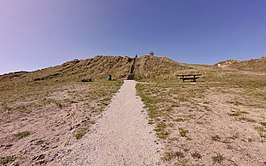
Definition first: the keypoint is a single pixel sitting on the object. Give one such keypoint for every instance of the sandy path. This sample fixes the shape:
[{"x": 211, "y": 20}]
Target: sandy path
[{"x": 121, "y": 137}]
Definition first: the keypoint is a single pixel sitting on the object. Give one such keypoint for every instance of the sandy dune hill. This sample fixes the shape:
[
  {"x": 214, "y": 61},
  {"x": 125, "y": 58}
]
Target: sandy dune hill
[
  {"x": 219, "y": 120},
  {"x": 256, "y": 65}
]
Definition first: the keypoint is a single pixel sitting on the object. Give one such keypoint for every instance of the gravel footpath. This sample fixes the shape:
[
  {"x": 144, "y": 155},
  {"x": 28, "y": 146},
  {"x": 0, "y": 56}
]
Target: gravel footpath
[{"x": 121, "y": 136}]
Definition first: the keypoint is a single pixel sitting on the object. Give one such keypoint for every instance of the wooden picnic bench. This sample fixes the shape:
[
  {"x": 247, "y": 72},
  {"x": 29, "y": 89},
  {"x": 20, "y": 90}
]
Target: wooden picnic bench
[{"x": 192, "y": 77}]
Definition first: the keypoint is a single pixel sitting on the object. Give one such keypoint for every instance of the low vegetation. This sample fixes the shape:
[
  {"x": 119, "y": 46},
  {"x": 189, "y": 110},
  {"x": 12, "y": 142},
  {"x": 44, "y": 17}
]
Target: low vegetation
[
  {"x": 22, "y": 134},
  {"x": 83, "y": 129},
  {"x": 219, "y": 111},
  {"x": 218, "y": 158},
  {"x": 213, "y": 120},
  {"x": 152, "y": 67},
  {"x": 48, "y": 114},
  {"x": 7, "y": 160},
  {"x": 183, "y": 132},
  {"x": 43, "y": 110},
  {"x": 257, "y": 65}
]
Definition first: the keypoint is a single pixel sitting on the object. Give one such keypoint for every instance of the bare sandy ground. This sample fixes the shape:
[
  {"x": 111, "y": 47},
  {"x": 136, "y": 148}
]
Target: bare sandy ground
[
  {"x": 121, "y": 137},
  {"x": 38, "y": 122},
  {"x": 205, "y": 123}
]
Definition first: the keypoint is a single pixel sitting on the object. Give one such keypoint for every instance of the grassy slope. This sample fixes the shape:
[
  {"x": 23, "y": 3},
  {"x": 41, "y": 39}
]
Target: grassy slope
[
  {"x": 98, "y": 67},
  {"x": 157, "y": 67},
  {"x": 59, "y": 89},
  {"x": 224, "y": 110},
  {"x": 51, "y": 114},
  {"x": 258, "y": 65},
  {"x": 37, "y": 108}
]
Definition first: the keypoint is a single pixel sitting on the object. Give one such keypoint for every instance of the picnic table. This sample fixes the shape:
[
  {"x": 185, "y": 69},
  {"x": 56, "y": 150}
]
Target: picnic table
[{"x": 191, "y": 77}]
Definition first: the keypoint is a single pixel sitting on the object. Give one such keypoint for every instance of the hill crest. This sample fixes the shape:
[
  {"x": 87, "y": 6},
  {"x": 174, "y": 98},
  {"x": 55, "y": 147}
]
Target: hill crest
[{"x": 258, "y": 64}]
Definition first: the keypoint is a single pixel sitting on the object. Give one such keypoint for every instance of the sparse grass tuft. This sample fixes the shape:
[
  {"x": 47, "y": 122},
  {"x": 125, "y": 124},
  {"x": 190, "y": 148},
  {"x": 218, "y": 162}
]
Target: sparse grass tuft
[
  {"x": 243, "y": 118},
  {"x": 229, "y": 139},
  {"x": 22, "y": 134},
  {"x": 179, "y": 119},
  {"x": 178, "y": 155},
  {"x": 40, "y": 142},
  {"x": 80, "y": 133},
  {"x": 237, "y": 113},
  {"x": 161, "y": 130},
  {"x": 261, "y": 131},
  {"x": 183, "y": 132},
  {"x": 167, "y": 156},
  {"x": 58, "y": 103},
  {"x": 229, "y": 147},
  {"x": 196, "y": 155},
  {"x": 7, "y": 159},
  {"x": 171, "y": 155},
  {"x": 83, "y": 129},
  {"x": 216, "y": 138},
  {"x": 218, "y": 158},
  {"x": 263, "y": 124}
]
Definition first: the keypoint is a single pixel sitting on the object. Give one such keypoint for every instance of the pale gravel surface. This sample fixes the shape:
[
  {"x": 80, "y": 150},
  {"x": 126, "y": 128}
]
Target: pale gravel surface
[{"x": 121, "y": 136}]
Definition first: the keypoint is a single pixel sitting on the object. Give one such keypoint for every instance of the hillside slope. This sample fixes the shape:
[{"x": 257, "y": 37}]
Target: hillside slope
[
  {"x": 251, "y": 65},
  {"x": 258, "y": 65},
  {"x": 42, "y": 112},
  {"x": 98, "y": 67},
  {"x": 158, "y": 67},
  {"x": 147, "y": 66}
]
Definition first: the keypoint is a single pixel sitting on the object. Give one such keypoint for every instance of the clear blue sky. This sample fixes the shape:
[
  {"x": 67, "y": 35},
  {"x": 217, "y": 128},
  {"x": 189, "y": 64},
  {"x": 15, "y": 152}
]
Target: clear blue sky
[{"x": 40, "y": 33}]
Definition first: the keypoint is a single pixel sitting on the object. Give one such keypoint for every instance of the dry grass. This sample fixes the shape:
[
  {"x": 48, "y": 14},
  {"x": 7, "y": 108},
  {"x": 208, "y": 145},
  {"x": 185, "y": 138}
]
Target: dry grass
[
  {"x": 251, "y": 65},
  {"x": 218, "y": 158},
  {"x": 7, "y": 160},
  {"x": 22, "y": 134},
  {"x": 83, "y": 129},
  {"x": 222, "y": 107},
  {"x": 157, "y": 67},
  {"x": 188, "y": 116},
  {"x": 41, "y": 115}
]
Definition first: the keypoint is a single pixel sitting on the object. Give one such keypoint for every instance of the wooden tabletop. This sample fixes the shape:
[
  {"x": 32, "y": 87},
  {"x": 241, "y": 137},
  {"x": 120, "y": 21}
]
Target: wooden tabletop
[{"x": 188, "y": 75}]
